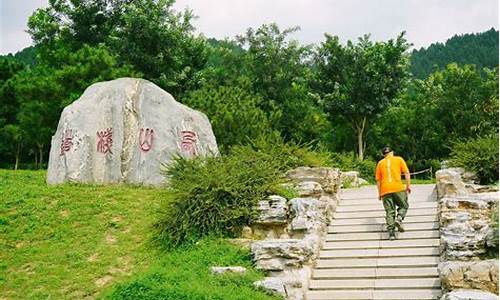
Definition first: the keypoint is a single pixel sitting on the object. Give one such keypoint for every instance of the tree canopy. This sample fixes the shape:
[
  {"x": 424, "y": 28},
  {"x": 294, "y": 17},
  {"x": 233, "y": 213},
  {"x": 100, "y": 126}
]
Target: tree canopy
[{"x": 341, "y": 97}]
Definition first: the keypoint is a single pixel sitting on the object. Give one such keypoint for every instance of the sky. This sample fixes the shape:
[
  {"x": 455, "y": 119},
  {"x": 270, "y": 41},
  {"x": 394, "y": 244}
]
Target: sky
[{"x": 425, "y": 21}]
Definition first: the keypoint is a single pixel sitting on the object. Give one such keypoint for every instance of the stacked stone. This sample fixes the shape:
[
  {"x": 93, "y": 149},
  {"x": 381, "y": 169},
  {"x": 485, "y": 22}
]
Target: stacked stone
[
  {"x": 292, "y": 230},
  {"x": 466, "y": 234}
]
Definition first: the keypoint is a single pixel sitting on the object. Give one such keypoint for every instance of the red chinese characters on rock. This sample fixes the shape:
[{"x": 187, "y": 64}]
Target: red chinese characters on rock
[
  {"x": 105, "y": 140},
  {"x": 188, "y": 143},
  {"x": 146, "y": 136},
  {"x": 66, "y": 141}
]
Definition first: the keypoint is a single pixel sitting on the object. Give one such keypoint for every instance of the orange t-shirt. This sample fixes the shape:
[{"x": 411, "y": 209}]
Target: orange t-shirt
[{"x": 388, "y": 172}]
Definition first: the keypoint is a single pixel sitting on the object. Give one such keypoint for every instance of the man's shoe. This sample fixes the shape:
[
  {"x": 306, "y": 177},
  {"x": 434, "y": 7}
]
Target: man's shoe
[
  {"x": 399, "y": 224},
  {"x": 392, "y": 235}
]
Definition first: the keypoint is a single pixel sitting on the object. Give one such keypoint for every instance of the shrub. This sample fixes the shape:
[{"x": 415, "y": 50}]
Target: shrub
[
  {"x": 217, "y": 195},
  {"x": 349, "y": 162},
  {"x": 479, "y": 156}
]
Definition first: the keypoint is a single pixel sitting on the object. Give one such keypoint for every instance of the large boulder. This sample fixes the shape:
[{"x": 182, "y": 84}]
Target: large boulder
[{"x": 125, "y": 130}]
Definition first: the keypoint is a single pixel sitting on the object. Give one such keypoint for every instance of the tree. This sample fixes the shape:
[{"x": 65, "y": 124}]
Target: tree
[
  {"x": 43, "y": 91},
  {"x": 449, "y": 106},
  {"x": 276, "y": 68},
  {"x": 146, "y": 34},
  {"x": 359, "y": 81},
  {"x": 233, "y": 112},
  {"x": 479, "y": 49}
]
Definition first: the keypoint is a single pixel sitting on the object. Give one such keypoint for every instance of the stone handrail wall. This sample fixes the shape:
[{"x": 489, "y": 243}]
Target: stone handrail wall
[
  {"x": 466, "y": 234},
  {"x": 292, "y": 230}
]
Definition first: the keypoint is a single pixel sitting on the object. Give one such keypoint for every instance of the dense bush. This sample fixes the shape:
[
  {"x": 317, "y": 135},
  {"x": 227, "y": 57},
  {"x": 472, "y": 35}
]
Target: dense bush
[
  {"x": 216, "y": 195},
  {"x": 478, "y": 155}
]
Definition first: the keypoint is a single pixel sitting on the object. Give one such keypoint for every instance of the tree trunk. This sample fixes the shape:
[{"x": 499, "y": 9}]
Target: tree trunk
[
  {"x": 36, "y": 160},
  {"x": 360, "y": 132},
  {"x": 18, "y": 150},
  {"x": 40, "y": 152}
]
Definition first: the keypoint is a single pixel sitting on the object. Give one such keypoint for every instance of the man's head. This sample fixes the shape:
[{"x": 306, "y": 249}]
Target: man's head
[{"x": 386, "y": 150}]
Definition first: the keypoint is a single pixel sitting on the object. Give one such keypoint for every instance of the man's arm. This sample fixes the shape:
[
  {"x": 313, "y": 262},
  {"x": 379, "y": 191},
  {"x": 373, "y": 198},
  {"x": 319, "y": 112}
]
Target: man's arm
[
  {"x": 408, "y": 179},
  {"x": 378, "y": 189}
]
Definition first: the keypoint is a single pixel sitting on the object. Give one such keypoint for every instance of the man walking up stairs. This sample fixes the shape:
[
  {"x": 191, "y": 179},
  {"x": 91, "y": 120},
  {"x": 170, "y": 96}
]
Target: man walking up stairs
[{"x": 358, "y": 261}]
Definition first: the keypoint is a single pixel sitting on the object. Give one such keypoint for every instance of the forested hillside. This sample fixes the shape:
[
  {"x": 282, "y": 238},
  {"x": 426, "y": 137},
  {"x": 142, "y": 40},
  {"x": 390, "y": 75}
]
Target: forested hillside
[
  {"x": 342, "y": 98},
  {"x": 480, "y": 49}
]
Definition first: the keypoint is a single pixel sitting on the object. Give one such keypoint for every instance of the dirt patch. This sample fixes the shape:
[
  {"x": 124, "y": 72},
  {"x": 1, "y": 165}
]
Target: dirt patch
[
  {"x": 100, "y": 282},
  {"x": 93, "y": 257},
  {"x": 110, "y": 239},
  {"x": 64, "y": 213}
]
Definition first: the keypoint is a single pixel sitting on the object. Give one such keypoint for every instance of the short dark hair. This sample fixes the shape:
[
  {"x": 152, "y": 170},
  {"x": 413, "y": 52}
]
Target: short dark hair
[{"x": 386, "y": 150}]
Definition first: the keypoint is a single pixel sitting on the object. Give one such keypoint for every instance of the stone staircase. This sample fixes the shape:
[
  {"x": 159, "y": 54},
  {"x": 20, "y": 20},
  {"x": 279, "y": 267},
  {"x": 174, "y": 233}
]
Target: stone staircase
[{"x": 358, "y": 261}]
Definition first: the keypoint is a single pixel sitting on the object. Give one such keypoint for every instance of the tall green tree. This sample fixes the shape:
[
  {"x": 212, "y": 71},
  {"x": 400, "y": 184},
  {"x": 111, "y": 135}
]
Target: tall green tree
[
  {"x": 233, "y": 112},
  {"x": 43, "y": 91},
  {"x": 149, "y": 35},
  {"x": 451, "y": 105},
  {"x": 358, "y": 81},
  {"x": 277, "y": 68}
]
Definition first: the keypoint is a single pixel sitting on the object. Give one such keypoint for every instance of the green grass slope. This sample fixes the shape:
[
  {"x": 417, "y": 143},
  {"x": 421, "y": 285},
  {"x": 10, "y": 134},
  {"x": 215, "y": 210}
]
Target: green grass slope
[{"x": 86, "y": 242}]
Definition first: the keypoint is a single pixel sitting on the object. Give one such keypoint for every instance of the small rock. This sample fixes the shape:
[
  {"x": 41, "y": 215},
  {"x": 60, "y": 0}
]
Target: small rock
[
  {"x": 273, "y": 285},
  {"x": 309, "y": 188},
  {"x": 277, "y": 254},
  {"x": 272, "y": 211},
  {"x": 225, "y": 270}
]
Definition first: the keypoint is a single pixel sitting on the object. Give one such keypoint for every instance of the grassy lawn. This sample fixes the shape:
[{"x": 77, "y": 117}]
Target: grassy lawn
[{"x": 85, "y": 242}]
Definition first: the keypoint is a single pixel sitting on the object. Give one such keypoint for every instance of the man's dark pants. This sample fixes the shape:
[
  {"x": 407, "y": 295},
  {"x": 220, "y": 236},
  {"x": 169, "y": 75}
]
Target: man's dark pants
[{"x": 395, "y": 203}]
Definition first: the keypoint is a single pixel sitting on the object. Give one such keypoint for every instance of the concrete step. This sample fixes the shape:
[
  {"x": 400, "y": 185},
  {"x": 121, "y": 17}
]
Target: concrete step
[
  {"x": 379, "y": 206},
  {"x": 380, "y": 213},
  {"x": 365, "y": 273},
  {"x": 405, "y": 294},
  {"x": 375, "y": 244},
  {"x": 423, "y": 261},
  {"x": 375, "y": 253},
  {"x": 366, "y": 236},
  {"x": 393, "y": 283},
  {"x": 379, "y": 228},
  {"x": 381, "y": 220},
  {"x": 371, "y": 200}
]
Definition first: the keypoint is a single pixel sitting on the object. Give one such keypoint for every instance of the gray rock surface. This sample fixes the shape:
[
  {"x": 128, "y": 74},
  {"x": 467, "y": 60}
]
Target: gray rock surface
[
  {"x": 272, "y": 285},
  {"x": 309, "y": 189},
  {"x": 351, "y": 179},
  {"x": 466, "y": 225},
  {"x": 449, "y": 183},
  {"x": 469, "y": 295},
  {"x": 481, "y": 275},
  {"x": 279, "y": 254},
  {"x": 328, "y": 178},
  {"x": 306, "y": 212},
  {"x": 272, "y": 211},
  {"x": 125, "y": 130}
]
